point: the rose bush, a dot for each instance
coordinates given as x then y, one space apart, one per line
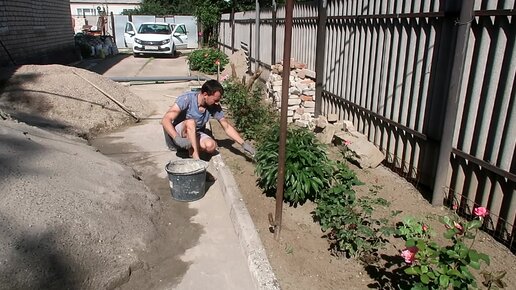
441 267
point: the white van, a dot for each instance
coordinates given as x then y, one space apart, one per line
156 38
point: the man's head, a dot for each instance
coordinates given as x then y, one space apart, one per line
212 92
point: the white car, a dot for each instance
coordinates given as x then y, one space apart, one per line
156 38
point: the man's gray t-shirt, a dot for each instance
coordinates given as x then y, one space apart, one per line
190 110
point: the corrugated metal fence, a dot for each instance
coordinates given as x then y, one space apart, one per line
389 67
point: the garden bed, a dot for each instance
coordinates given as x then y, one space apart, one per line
301 258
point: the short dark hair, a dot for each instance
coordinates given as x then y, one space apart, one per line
212 86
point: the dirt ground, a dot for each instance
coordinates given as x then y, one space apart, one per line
301 259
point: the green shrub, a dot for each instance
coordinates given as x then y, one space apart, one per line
205 60
252 117
348 220
307 167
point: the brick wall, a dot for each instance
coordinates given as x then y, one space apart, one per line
35 31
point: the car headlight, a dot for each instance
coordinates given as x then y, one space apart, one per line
165 41
137 41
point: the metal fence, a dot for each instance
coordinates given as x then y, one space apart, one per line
422 80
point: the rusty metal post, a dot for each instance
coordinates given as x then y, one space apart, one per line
320 55
283 119
452 102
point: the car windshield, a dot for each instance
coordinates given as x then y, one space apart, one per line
154 29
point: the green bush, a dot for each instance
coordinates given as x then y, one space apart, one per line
205 60
252 117
307 167
348 220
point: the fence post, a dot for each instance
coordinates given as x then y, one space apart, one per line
274 27
452 100
113 26
232 23
257 35
320 54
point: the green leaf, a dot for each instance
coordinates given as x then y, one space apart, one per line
474 265
424 269
410 243
431 275
411 271
455 272
474 224
473 255
485 258
425 279
444 280
449 233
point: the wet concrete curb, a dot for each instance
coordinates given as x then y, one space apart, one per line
259 266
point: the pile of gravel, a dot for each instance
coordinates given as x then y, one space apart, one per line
57 97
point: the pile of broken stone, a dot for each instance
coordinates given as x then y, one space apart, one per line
301 112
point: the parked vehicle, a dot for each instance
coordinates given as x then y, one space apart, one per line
156 38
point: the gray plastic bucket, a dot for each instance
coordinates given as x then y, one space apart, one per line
187 179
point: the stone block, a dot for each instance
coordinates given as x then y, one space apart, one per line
309 104
294 91
307 116
363 152
294 101
309 73
348 126
321 122
309 92
300 86
332 118
326 136
306 98
309 110
302 123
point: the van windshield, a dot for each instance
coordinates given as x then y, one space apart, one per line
154 29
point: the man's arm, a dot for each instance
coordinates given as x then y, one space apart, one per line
231 131
233 134
168 118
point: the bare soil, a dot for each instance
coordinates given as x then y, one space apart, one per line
301 259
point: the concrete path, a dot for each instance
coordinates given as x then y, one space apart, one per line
212 243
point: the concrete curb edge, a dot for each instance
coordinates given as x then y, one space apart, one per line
259 266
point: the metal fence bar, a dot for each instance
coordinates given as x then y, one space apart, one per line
385 67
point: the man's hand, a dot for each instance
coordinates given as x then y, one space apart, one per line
182 142
248 148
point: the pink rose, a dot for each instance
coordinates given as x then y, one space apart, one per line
480 211
346 142
425 228
217 62
455 206
409 254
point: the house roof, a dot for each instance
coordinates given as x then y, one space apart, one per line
107 1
